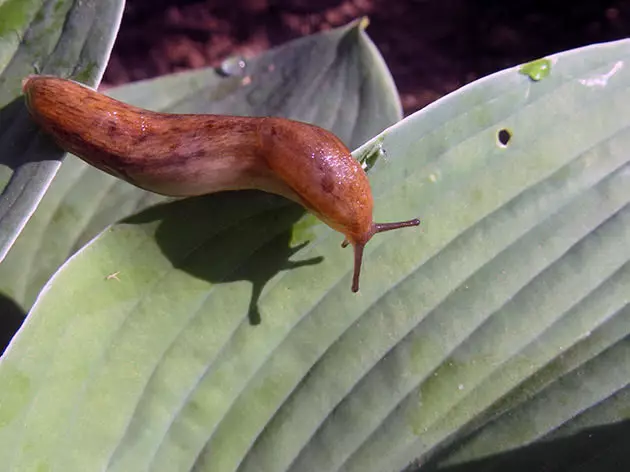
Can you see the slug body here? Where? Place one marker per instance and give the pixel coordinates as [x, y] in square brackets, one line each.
[188, 155]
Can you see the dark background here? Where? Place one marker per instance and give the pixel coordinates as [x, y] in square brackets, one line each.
[432, 47]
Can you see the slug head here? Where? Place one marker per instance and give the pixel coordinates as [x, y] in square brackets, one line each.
[327, 180]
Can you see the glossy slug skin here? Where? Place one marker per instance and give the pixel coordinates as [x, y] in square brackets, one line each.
[186, 155]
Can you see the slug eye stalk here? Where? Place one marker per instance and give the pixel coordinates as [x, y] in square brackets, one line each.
[358, 247]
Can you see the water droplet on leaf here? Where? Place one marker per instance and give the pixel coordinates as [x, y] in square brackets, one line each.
[233, 66]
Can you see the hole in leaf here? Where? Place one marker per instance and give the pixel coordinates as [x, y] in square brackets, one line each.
[504, 137]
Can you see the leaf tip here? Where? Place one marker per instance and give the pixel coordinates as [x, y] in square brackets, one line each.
[363, 23]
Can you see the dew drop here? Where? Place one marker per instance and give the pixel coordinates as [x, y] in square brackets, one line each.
[233, 67]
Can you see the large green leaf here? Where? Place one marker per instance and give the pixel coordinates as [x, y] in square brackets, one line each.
[59, 37]
[504, 321]
[335, 79]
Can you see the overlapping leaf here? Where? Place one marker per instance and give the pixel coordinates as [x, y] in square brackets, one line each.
[68, 38]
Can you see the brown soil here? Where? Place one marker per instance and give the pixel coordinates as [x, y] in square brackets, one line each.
[432, 47]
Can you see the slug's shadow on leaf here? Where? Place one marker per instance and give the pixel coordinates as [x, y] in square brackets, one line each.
[228, 237]
[596, 449]
[11, 318]
[28, 161]
[21, 138]
[273, 258]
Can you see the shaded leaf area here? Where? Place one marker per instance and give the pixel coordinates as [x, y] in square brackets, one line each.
[12, 317]
[68, 38]
[259, 267]
[503, 321]
[597, 448]
[336, 80]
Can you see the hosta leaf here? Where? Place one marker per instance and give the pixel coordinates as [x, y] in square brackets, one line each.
[503, 322]
[68, 38]
[335, 79]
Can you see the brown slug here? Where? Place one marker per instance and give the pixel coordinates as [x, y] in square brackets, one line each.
[188, 155]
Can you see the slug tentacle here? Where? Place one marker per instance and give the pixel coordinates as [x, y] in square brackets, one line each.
[187, 155]
[359, 246]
